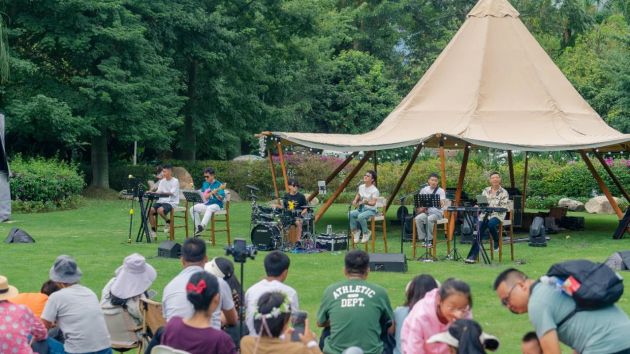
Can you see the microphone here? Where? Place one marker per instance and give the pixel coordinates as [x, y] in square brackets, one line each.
[130, 177]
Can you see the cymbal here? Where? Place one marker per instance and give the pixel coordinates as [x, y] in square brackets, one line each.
[254, 188]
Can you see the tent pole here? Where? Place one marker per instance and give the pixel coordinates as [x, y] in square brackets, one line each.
[612, 175]
[601, 184]
[283, 166]
[375, 167]
[273, 173]
[511, 168]
[523, 201]
[333, 175]
[458, 196]
[442, 164]
[403, 176]
[342, 186]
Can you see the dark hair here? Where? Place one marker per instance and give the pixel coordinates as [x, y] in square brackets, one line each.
[419, 286]
[434, 175]
[167, 166]
[373, 174]
[494, 173]
[467, 333]
[276, 262]
[209, 170]
[530, 336]
[293, 182]
[158, 169]
[357, 262]
[508, 273]
[455, 286]
[201, 295]
[49, 287]
[226, 267]
[193, 250]
[266, 303]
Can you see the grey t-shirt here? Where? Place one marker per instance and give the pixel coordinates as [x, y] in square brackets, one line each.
[175, 302]
[78, 314]
[588, 332]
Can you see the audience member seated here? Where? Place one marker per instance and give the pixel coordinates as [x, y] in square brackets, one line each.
[75, 310]
[194, 334]
[466, 337]
[17, 322]
[36, 301]
[602, 331]
[277, 268]
[271, 320]
[355, 310]
[433, 314]
[530, 344]
[174, 300]
[131, 283]
[415, 291]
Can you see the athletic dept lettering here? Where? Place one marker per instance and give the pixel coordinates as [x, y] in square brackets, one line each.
[353, 290]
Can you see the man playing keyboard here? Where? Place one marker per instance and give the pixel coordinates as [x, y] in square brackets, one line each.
[168, 185]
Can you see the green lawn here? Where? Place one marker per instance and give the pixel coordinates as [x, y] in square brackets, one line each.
[96, 235]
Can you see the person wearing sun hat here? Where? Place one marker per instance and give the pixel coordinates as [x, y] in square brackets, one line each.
[465, 336]
[17, 322]
[75, 310]
[130, 284]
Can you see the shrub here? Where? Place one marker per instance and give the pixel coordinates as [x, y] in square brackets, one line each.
[42, 185]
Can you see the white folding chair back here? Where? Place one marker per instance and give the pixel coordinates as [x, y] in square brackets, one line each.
[165, 349]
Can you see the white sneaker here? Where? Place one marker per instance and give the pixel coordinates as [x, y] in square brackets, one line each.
[357, 236]
[167, 228]
[366, 237]
[153, 235]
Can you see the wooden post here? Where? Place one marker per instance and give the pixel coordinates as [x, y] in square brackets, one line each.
[458, 196]
[374, 160]
[601, 184]
[443, 164]
[333, 175]
[612, 175]
[283, 166]
[523, 201]
[342, 186]
[511, 168]
[273, 173]
[403, 176]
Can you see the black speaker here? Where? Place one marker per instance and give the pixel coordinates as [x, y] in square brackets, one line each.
[169, 249]
[388, 262]
[517, 218]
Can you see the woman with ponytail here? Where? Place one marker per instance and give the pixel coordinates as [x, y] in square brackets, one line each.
[195, 334]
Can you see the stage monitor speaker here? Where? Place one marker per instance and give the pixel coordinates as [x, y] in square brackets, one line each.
[169, 249]
[388, 262]
[518, 211]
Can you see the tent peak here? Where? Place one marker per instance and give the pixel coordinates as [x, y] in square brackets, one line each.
[494, 8]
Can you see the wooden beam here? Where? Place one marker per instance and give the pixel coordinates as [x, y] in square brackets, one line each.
[601, 184]
[612, 175]
[511, 168]
[333, 175]
[374, 160]
[273, 173]
[458, 196]
[523, 201]
[284, 167]
[403, 176]
[342, 186]
[443, 164]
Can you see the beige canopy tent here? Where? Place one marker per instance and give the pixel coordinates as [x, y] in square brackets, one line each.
[493, 86]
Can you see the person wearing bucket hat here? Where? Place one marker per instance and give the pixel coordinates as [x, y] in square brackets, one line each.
[130, 284]
[75, 310]
[466, 337]
[17, 322]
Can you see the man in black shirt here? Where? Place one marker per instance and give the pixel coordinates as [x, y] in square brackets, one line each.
[293, 203]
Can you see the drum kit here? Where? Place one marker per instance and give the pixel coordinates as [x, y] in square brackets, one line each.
[270, 226]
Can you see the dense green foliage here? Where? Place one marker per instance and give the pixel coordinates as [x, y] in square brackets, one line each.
[192, 79]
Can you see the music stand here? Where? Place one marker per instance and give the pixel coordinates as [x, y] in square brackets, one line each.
[193, 197]
[427, 201]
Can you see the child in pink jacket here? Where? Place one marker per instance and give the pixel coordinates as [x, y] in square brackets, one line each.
[433, 314]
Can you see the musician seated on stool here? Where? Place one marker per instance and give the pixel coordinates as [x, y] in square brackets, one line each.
[497, 197]
[168, 185]
[213, 196]
[294, 201]
[426, 217]
[365, 202]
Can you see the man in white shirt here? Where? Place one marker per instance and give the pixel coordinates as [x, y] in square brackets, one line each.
[168, 185]
[277, 268]
[426, 217]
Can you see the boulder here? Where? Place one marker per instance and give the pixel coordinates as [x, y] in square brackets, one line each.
[235, 197]
[571, 204]
[185, 179]
[599, 205]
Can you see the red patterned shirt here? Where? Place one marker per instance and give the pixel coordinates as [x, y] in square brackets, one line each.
[17, 322]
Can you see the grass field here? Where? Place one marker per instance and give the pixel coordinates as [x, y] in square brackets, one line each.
[96, 235]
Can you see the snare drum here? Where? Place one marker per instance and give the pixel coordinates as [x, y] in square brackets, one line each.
[266, 236]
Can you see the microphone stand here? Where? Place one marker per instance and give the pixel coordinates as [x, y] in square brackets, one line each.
[402, 223]
[349, 231]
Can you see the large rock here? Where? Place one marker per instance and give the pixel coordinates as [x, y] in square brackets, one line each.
[185, 179]
[599, 205]
[571, 204]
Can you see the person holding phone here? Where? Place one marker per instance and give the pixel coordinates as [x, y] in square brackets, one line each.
[271, 320]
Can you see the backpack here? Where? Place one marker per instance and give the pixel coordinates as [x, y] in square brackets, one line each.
[537, 235]
[18, 236]
[591, 285]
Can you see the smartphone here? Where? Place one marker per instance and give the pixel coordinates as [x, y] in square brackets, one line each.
[240, 245]
[297, 322]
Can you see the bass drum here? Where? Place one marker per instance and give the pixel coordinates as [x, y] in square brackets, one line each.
[266, 236]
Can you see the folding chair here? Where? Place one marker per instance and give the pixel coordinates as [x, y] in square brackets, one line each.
[152, 320]
[221, 216]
